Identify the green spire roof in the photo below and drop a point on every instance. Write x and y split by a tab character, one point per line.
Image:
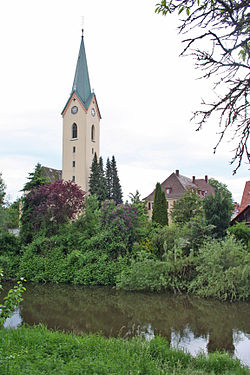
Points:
81	83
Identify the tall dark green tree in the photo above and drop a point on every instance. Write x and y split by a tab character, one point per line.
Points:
218	208
102	193
36	179
2	190
116	191
97	180
160	211
108	175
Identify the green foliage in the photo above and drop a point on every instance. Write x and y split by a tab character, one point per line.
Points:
186	208
116	191
97	180
2	190
218	213
36	179
9	243
223	270
241	232
160	211
148	274
218	208
38	351
11	301
105	185
13	215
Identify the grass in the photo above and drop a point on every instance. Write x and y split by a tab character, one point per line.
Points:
38	351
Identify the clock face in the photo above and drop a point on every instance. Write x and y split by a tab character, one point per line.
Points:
93	112
74	109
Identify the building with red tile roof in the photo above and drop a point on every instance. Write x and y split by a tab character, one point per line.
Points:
176	185
244	213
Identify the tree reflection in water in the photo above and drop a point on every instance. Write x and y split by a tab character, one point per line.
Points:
181	319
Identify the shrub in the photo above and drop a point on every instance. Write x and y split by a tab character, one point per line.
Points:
241	231
223	270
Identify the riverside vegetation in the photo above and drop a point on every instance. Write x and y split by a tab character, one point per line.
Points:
38	351
116	245
110	244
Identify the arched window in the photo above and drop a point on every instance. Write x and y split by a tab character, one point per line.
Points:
92	133
74	131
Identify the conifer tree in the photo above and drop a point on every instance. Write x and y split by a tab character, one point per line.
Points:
160	212
108	175
36	179
102	188
116	193
164	209
2	190
94	177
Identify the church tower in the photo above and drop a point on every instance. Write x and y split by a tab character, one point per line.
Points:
81	126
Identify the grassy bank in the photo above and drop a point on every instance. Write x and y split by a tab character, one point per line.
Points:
39	351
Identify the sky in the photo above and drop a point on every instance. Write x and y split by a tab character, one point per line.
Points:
145	91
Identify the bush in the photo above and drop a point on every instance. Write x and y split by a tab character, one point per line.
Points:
9	243
223	270
241	232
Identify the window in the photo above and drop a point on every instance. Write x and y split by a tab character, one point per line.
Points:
92	133
74	131
150	206
73	163
73	178
92	151
168	190
74	149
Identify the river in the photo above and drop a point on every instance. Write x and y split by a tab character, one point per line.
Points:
187	322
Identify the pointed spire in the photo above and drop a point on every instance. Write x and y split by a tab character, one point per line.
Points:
81	84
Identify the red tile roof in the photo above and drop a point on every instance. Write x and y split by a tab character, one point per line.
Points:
179	184
245	200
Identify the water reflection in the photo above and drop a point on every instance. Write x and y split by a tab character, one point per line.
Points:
192	323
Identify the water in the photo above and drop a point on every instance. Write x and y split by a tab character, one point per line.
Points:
187	322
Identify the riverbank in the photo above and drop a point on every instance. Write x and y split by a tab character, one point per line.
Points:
38	351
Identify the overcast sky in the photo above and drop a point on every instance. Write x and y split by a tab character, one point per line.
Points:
145	91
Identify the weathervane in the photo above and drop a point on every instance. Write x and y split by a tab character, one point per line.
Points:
82	25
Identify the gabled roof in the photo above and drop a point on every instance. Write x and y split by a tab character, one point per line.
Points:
245	200
179	184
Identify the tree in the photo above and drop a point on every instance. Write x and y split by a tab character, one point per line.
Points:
116	190
103	191
2	190
50	206
108	175
36	179
160	211
187	207
94	176
97	180
217	36
218	208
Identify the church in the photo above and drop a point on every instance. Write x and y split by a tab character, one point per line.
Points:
81	128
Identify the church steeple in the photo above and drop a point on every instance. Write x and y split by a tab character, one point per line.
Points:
81	126
81	84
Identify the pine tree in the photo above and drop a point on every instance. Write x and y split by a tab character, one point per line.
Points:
108	175
102	188
160	211
36	179
164	209
94	177
116	191
2	190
